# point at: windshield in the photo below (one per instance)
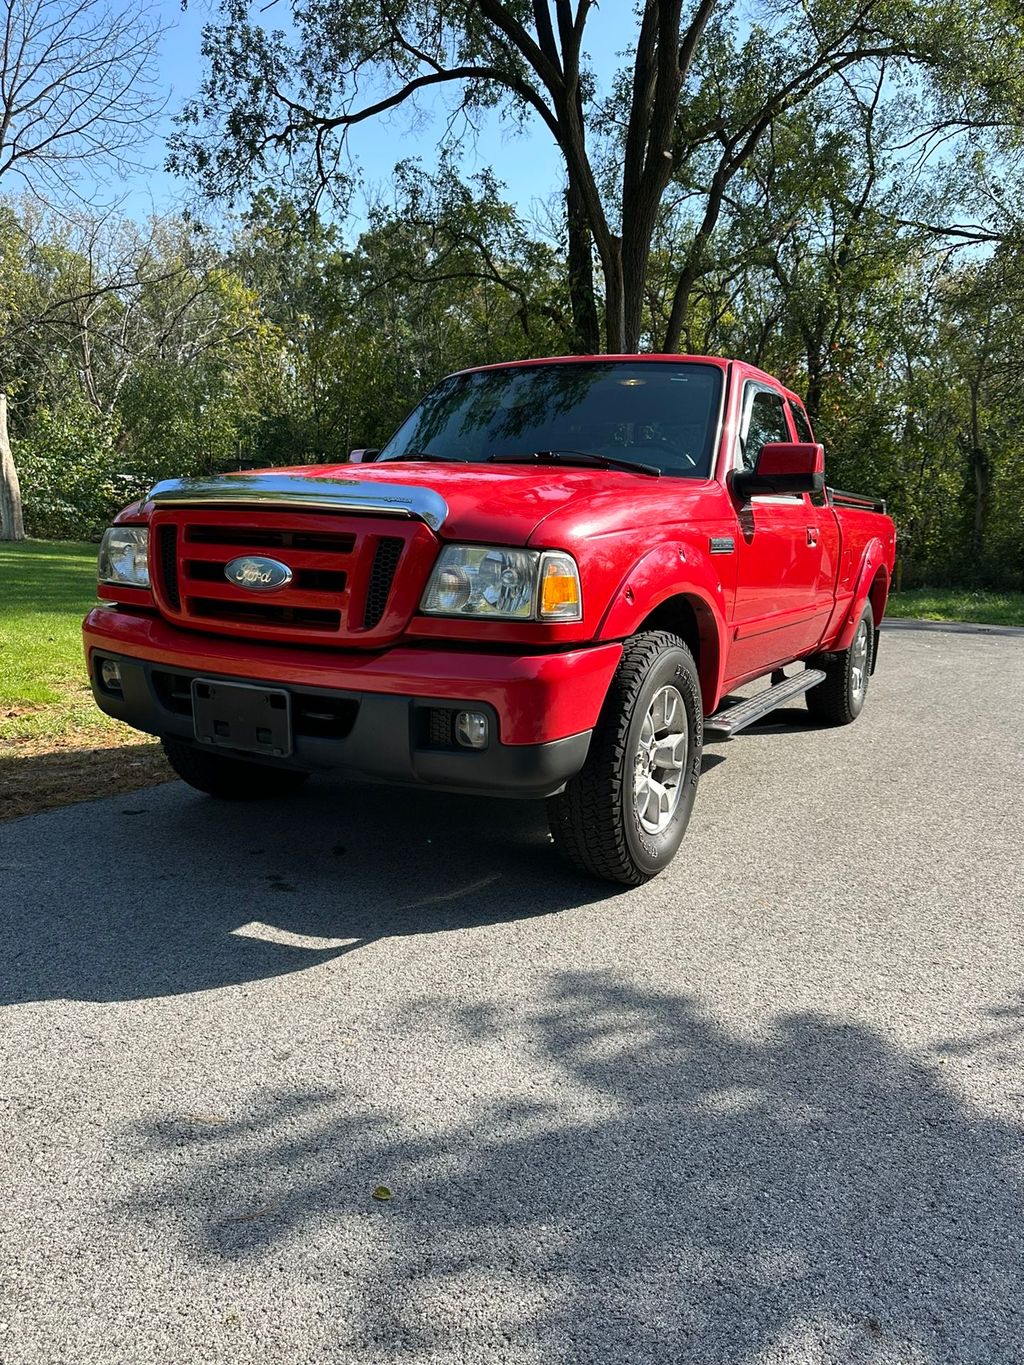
(660, 413)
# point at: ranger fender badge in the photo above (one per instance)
(722, 545)
(258, 573)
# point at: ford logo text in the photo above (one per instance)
(257, 573)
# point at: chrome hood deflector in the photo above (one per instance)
(309, 492)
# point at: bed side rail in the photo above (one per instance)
(837, 498)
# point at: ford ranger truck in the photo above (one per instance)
(549, 583)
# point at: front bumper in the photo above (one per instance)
(369, 715)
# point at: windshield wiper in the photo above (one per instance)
(576, 457)
(420, 455)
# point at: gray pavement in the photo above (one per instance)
(770, 1108)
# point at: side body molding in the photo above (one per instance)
(310, 492)
(669, 571)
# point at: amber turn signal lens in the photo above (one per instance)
(560, 598)
(559, 590)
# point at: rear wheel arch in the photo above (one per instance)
(872, 585)
(878, 593)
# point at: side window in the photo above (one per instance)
(803, 427)
(766, 421)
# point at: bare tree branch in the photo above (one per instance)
(77, 90)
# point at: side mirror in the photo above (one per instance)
(363, 456)
(783, 467)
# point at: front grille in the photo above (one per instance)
(312, 618)
(167, 540)
(344, 573)
(382, 575)
(270, 539)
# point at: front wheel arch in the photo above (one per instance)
(691, 619)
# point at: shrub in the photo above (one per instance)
(74, 478)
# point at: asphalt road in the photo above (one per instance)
(769, 1108)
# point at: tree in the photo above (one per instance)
(13, 291)
(692, 109)
(445, 275)
(76, 91)
(12, 521)
(979, 338)
(131, 352)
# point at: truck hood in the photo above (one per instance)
(506, 504)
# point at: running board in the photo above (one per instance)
(734, 718)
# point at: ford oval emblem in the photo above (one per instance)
(257, 573)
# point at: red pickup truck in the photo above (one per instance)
(547, 584)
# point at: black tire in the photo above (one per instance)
(594, 822)
(839, 700)
(232, 779)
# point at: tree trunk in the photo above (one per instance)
(981, 469)
(635, 260)
(815, 380)
(614, 299)
(679, 316)
(586, 327)
(12, 523)
(981, 480)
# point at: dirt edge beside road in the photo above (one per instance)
(44, 772)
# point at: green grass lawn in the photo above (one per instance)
(56, 745)
(45, 590)
(959, 604)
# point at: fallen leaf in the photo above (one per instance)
(382, 1193)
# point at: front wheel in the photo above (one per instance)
(840, 698)
(232, 779)
(623, 816)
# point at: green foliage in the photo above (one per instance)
(73, 476)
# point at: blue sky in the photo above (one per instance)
(527, 162)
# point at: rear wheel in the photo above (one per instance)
(623, 816)
(840, 698)
(232, 779)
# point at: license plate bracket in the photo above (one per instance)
(242, 716)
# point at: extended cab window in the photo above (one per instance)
(765, 421)
(803, 427)
(653, 412)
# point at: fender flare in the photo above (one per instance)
(873, 559)
(677, 570)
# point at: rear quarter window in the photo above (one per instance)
(803, 427)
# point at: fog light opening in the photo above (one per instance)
(110, 675)
(471, 729)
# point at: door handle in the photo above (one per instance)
(812, 535)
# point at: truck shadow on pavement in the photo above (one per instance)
(653, 1187)
(163, 891)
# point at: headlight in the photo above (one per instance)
(511, 585)
(124, 552)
